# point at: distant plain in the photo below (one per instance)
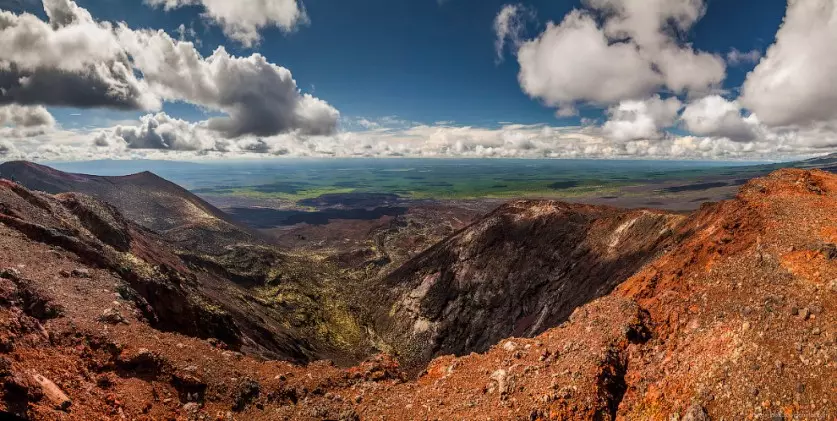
(349, 204)
(295, 181)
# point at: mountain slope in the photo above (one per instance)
(738, 320)
(826, 163)
(295, 303)
(745, 309)
(172, 292)
(143, 198)
(520, 270)
(734, 318)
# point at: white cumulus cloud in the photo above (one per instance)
(632, 120)
(650, 25)
(73, 60)
(715, 116)
(509, 25)
(574, 61)
(242, 20)
(739, 58)
(159, 131)
(259, 97)
(24, 116)
(69, 61)
(796, 82)
(630, 56)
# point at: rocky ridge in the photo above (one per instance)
(146, 200)
(520, 270)
(172, 293)
(728, 313)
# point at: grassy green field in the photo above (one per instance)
(460, 179)
(294, 179)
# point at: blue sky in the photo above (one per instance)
(647, 79)
(417, 59)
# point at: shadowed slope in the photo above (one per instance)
(170, 290)
(520, 270)
(144, 198)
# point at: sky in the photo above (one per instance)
(215, 79)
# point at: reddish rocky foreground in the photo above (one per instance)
(736, 320)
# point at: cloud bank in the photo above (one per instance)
(160, 136)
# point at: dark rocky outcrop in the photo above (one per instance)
(519, 271)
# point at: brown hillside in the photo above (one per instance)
(172, 293)
(145, 199)
(735, 322)
(734, 318)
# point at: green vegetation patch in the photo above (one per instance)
(465, 179)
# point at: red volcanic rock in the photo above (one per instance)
(732, 316)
